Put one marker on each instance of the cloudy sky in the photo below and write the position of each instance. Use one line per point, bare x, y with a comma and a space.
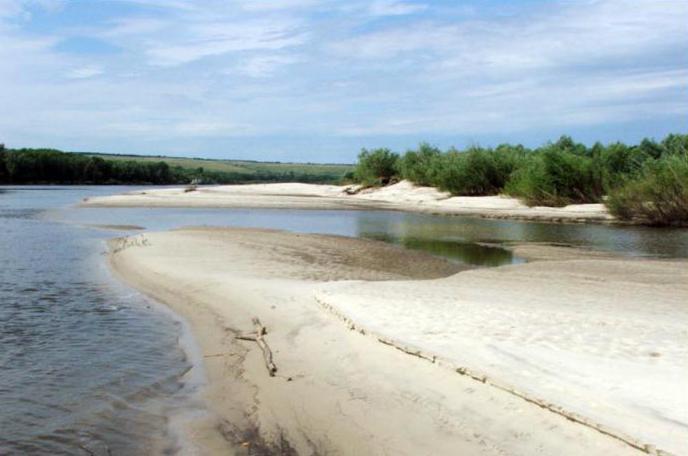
316, 80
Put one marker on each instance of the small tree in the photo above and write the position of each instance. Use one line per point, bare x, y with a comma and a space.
376, 167
3, 169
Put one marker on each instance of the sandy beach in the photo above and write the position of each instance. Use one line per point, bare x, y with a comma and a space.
382, 350
401, 196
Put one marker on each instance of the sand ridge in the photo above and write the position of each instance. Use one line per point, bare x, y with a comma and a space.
348, 394
403, 196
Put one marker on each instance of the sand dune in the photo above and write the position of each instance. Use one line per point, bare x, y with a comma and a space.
603, 337
401, 196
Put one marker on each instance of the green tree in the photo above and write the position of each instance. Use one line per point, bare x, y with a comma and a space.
421, 167
376, 167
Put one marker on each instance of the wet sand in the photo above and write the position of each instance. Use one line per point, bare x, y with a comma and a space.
569, 332
402, 196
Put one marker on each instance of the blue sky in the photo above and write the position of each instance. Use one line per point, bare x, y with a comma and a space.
316, 80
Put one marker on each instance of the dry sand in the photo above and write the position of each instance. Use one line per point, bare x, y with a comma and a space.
603, 337
401, 196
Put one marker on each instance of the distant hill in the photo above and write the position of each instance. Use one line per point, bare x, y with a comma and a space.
50, 166
249, 169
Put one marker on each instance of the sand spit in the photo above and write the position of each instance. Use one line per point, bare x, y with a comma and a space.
339, 392
401, 196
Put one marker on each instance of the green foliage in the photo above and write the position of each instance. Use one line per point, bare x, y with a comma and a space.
616, 162
675, 144
422, 166
556, 177
646, 182
3, 160
36, 166
476, 171
376, 167
244, 171
28, 166
657, 196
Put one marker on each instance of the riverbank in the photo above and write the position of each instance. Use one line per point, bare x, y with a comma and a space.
401, 196
337, 391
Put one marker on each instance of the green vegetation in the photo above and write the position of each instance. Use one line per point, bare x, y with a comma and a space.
48, 166
240, 171
376, 167
647, 182
657, 196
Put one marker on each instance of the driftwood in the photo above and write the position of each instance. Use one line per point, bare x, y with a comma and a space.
257, 337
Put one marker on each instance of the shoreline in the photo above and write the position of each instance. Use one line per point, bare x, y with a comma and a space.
248, 405
402, 196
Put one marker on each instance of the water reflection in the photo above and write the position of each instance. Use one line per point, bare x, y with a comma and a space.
463, 252
631, 240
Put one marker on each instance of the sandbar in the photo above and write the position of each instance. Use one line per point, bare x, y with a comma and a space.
368, 338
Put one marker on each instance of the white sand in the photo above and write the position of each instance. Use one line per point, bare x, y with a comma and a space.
582, 333
400, 196
605, 339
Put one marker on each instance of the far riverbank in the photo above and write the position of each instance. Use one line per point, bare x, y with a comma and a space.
402, 196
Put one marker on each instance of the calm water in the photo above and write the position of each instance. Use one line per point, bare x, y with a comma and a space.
88, 366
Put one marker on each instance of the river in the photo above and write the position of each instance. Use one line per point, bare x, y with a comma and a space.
89, 366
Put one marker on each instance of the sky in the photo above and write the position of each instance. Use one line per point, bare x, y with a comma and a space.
317, 80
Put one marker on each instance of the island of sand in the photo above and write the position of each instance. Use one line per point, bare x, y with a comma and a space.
380, 350
403, 196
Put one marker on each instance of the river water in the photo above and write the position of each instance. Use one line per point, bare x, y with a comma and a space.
88, 366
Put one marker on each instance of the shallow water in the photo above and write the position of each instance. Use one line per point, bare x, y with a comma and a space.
84, 361
88, 366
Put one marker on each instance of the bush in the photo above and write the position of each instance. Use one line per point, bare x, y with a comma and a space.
675, 144
422, 166
617, 162
658, 196
555, 177
376, 167
476, 172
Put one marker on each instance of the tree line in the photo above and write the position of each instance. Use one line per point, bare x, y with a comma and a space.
50, 166
647, 182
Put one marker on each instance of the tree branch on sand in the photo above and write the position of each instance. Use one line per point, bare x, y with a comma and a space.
257, 337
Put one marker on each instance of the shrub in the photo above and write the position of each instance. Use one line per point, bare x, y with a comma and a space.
552, 177
675, 144
658, 196
422, 166
476, 171
376, 167
617, 162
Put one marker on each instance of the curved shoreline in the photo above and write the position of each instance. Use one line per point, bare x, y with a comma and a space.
200, 291
402, 196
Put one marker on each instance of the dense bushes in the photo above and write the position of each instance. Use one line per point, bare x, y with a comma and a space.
28, 166
48, 166
556, 177
657, 196
647, 181
422, 166
476, 171
376, 167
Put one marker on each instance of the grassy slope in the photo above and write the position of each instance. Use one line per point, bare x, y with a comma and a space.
238, 166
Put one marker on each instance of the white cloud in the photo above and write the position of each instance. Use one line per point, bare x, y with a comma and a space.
394, 8
572, 34
84, 72
272, 5
194, 73
217, 38
264, 66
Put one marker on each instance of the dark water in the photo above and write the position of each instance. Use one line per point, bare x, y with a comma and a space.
88, 366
